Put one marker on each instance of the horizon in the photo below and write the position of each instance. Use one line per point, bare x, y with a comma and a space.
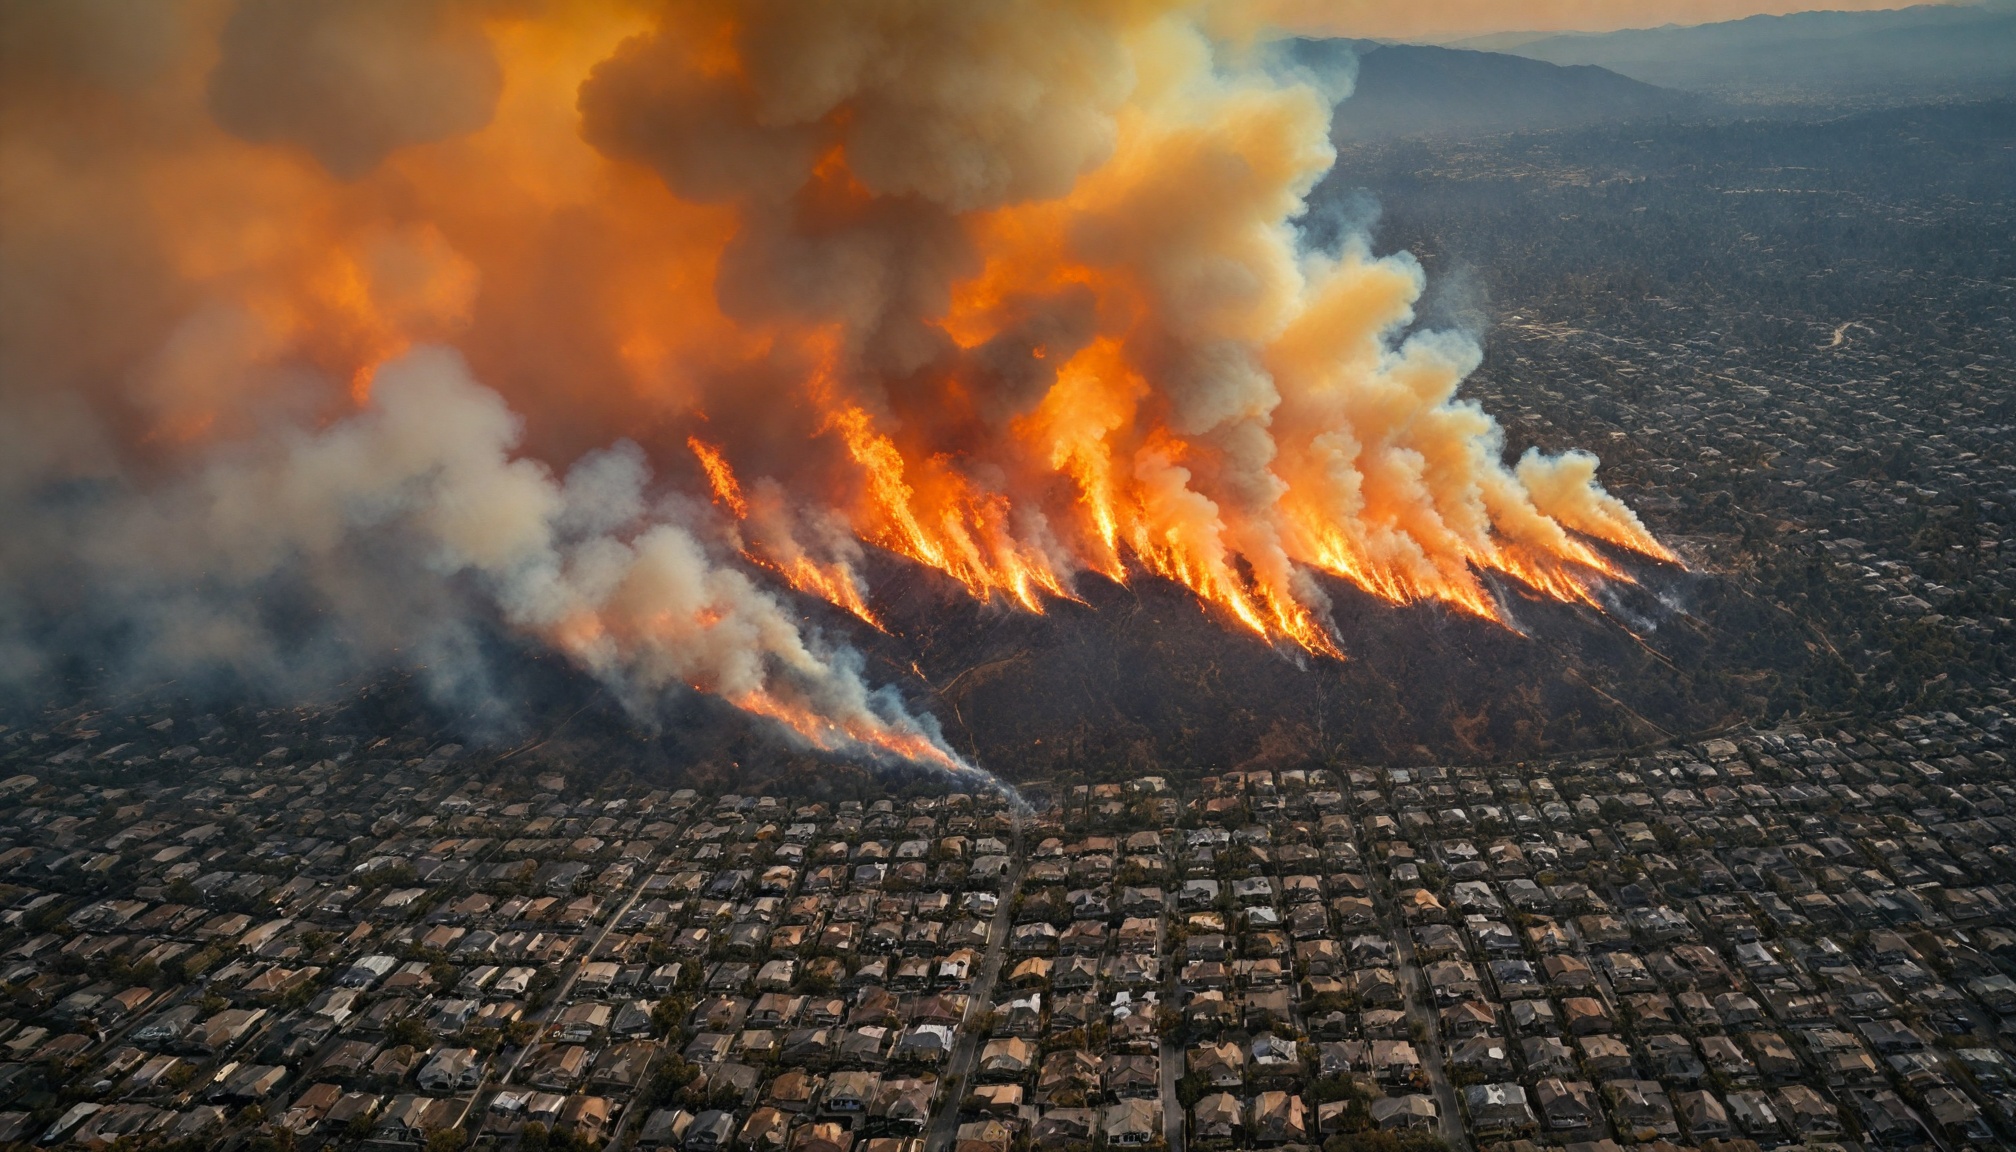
1446, 22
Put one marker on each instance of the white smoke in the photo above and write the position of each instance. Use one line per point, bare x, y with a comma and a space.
395, 524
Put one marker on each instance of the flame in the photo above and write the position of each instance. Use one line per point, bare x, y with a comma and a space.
831, 734
721, 478
834, 583
943, 520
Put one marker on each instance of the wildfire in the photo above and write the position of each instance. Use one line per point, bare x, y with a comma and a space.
1014, 290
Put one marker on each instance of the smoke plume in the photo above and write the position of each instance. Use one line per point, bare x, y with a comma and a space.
1012, 288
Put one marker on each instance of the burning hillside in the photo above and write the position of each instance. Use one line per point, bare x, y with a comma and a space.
329, 325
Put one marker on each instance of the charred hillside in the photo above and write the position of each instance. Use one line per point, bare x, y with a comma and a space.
1139, 676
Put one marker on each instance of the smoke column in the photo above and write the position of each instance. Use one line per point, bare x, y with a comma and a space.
394, 310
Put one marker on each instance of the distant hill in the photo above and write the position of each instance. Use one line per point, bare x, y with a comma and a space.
1927, 49
1410, 90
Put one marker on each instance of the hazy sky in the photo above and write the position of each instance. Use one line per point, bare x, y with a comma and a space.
1445, 19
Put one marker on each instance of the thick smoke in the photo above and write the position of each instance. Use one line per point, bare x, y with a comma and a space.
351, 81
401, 520
1014, 288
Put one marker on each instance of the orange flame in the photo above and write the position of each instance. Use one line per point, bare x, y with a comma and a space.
721, 478
832, 734
948, 524
831, 582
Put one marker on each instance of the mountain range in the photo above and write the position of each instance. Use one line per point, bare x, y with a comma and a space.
1924, 50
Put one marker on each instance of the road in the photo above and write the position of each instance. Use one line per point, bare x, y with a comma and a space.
945, 1122
304, 910
1421, 1017
1175, 1122
553, 1005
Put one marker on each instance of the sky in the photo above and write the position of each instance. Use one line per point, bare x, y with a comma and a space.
1452, 19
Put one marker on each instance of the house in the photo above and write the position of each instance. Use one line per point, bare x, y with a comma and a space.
392, 1064
404, 1121
821, 1136
1377, 987
1585, 1016
711, 1131
1535, 1017
1132, 1122
1566, 1105
251, 1082
1022, 1016
1567, 972
1467, 1018
1275, 1054
587, 1117
451, 1070
988, 1135
1216, 1117
905, 1103
1546, 1056
1342, 1057
850, 1093
354, 1107
1606, 1056
1641, 1109
775, 1010
1278, 1118
928, 1043
1775, 1058
1140, 970
1034, 939
1754, 1116
1033, 972
1885, 1118
1671, 1057
665, 1128
1007, 1058
622, 1066
1221, 1065
1485, 1056
220, 1032
1064, 1126
1703, 1114
1134, 1032
1133, 1076
1076, 974
1403, 1113
1069, 1077
1323, 957
582, 1023
764, 1131
1499, 1109
708, 1048
1206, 946
309, 1107
1955, 1116
1396, 1061
1452, 980
866, 1046
560, 1066
167, 1027
1728, 1061
1420, 906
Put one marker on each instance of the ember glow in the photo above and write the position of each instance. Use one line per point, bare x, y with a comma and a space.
1011, 288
